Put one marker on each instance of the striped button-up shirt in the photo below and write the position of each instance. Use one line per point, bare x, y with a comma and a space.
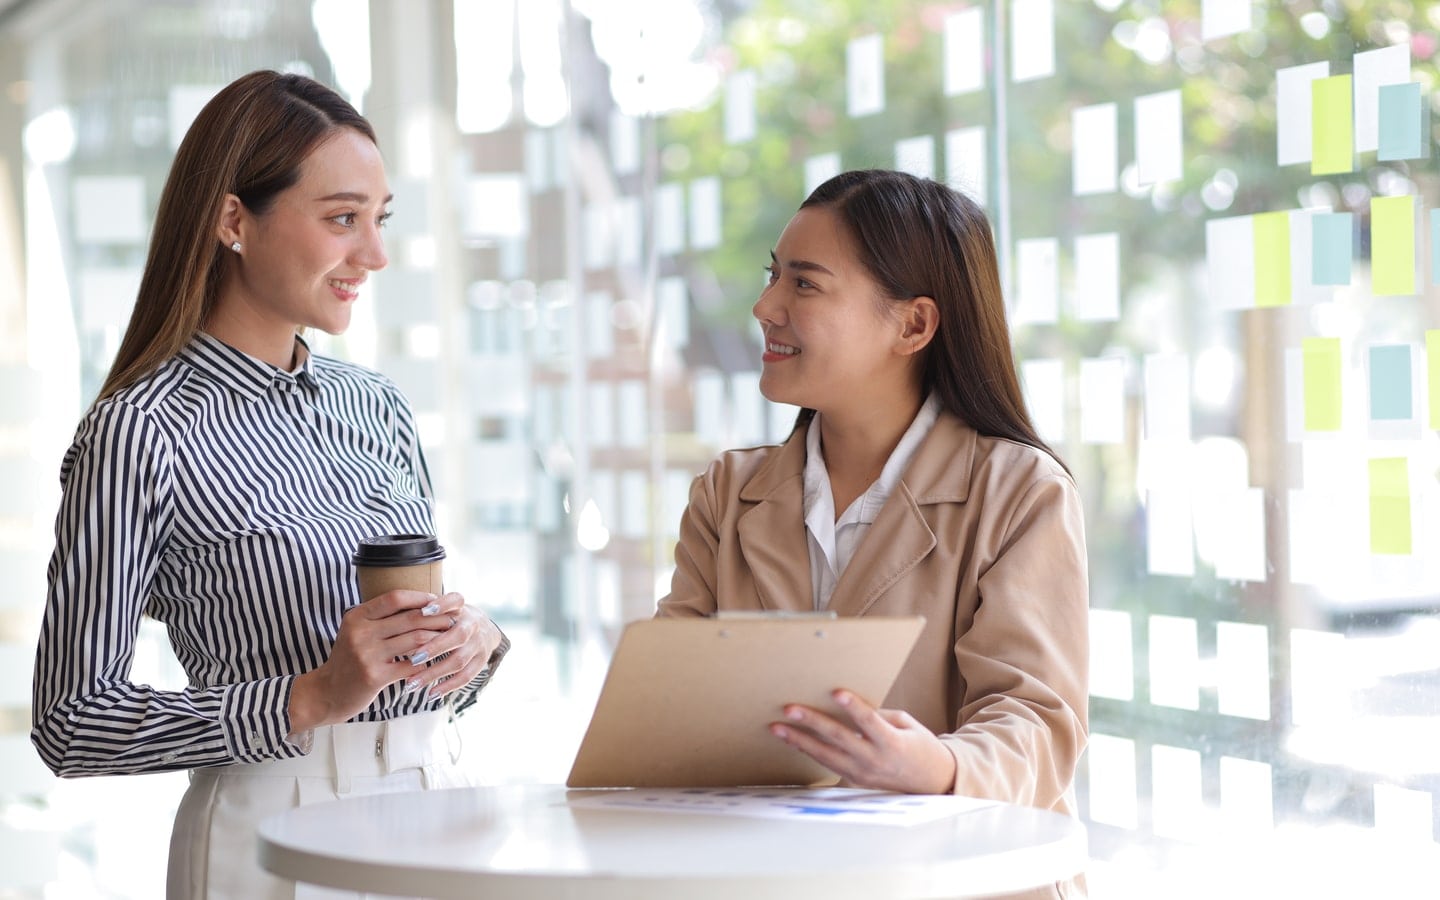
223, 497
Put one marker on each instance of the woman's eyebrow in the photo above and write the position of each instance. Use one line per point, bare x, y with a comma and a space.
353, 197
803, 265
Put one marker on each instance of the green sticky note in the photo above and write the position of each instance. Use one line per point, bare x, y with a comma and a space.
1272, 259
1320, 359
1390, 506
1392, 246
1332, 124
1432, 364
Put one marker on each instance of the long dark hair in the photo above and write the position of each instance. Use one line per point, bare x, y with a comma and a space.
918, 238
249, 140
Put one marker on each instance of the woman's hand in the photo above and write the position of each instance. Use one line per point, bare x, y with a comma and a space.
883, 749
450, 660
372, 651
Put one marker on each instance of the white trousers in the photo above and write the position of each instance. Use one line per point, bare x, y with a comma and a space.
214, 854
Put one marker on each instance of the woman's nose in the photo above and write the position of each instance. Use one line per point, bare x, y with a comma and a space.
371, 253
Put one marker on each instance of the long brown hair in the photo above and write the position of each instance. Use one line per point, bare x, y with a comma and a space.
918, 238
250, 141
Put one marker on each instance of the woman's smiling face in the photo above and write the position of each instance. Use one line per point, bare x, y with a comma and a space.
830, 342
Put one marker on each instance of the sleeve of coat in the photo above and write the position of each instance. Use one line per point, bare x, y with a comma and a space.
1024, 658
693, 589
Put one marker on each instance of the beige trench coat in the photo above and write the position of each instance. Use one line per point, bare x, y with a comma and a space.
985, 538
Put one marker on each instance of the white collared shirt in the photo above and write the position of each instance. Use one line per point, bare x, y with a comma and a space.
833, 541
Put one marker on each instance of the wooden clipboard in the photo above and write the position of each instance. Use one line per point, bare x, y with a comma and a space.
687, 702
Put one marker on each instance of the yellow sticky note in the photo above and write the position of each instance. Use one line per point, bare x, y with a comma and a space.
1392, 246
1390, 506
1272, 259
1321, 362
1432, 368
1332, 124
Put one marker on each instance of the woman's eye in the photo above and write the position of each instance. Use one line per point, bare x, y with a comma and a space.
802, 283
345, 219
773, 272
384, 219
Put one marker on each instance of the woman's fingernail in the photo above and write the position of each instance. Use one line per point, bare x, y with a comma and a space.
430, 609
419, 657
779, 732
412, 685
842, 698
794, 714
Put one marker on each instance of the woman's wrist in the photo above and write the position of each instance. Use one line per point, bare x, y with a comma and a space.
307, 708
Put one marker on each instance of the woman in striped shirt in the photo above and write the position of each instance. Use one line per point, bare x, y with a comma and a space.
220, 484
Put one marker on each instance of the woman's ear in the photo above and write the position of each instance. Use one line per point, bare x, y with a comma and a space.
919, 320
232, 215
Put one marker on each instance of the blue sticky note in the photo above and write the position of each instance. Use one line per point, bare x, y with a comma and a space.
1332, 236
1400, 121
1390, 382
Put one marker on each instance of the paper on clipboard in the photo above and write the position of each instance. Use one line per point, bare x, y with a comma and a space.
687, 702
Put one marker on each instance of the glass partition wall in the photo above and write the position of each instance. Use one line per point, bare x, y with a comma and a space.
1218, 222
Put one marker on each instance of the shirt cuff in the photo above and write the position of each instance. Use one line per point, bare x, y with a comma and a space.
256, 719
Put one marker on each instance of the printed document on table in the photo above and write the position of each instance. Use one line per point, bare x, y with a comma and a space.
845, 805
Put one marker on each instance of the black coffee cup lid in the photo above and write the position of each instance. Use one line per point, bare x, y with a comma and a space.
398, 550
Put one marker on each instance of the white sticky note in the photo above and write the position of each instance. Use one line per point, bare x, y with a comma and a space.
964, 51
1174, 662
107, 295
1294, 140
1102, 400
632, 419
1111, 762
708, 387
705, 213
1230, 262
600, 415
1221, 17
1167, 397
1093, 149
916, 155
1159, 137
1373, 68
749, 422
624, 143
820, 169
108, 209
965, 162
1037, 281
598, 226
634, 504
1240, 545
1032, 39
1319, 685
1246, 792
781, 417
675, 497
672, 301
628, 242
1176, 808
1169, 532
865, 75
185, 102
670, 218
1043, 383
1112, 655
496, 206
599, 324
740, 107
1404, 815
1242, 656
1097, 277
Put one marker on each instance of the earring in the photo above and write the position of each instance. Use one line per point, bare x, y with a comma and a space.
235, 246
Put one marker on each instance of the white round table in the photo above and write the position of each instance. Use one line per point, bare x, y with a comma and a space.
528, 842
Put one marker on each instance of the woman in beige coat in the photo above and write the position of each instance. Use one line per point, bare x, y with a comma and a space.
913, 482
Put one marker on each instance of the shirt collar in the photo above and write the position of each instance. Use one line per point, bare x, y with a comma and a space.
246, 375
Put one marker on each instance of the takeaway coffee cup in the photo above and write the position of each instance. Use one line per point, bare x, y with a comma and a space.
389, 562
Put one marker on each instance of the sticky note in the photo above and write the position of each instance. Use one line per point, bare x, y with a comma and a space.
1239, 546
1332, 250
916, 155
965, 162
1391, 382
1432, 369
1373, 70
1321, 361
1112, 781
1390, 506
1392, 245
1401, 116
1170, 532
865, 75
1043, 383
1097, 277
1094, 152
1318, 681
964, 51
1230, 262
740, 107
1272, 259
820, 169
705, 213
1332, 134
1112, 664
1292, 111
109, 209
1158, 137
1032, 39
1242, 656
670, 217
1219, 18
1167, 397
1174, 662
1102, 400
1036, 280
1176, 806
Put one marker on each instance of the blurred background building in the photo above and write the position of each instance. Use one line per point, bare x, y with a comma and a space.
1218, 223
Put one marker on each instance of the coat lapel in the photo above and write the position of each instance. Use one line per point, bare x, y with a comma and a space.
772, 532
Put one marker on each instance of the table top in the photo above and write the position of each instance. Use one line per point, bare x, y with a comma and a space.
533, 842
